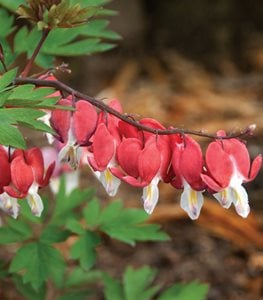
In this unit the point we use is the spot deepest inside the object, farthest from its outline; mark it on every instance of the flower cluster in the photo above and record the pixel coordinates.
(117, 151)
(22, 174)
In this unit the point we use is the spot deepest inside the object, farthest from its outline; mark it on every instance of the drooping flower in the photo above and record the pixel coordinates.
(7, 204)
(74, 129)
(27, 175)
(228, 166)
(50, 154)
(102, 153)
(187, 163)
(144, 160)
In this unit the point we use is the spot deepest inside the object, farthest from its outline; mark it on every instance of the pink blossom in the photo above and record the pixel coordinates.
(228, 166)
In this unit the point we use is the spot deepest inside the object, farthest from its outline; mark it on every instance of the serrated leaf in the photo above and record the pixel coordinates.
(92, 212)
(38, 261)
(136, 284)
(74, 226)
(6, 23)
(7, 78)
(12, 5)
(112, 288)
(76, 295)
(27, 291)
(193, 290)
(80, 277)
(97, 28)
(11, 136)
(84, 249)
(83, 47)
(127, 225)
(54, 234)
(66, 203)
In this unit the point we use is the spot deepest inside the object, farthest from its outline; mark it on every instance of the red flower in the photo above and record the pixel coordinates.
(187, 163)
(102, 153)
(28, 174)
(228, 166)
(74, 129)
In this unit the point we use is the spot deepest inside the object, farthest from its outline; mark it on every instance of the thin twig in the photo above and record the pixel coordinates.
(104, 107)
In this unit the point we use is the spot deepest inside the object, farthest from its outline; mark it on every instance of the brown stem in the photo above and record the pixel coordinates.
(30, 62)
(126, 118)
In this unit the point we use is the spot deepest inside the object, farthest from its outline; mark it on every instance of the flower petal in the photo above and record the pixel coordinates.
(219, 164)
(21, 174)
(103, 147)
(60, 120)
(225, 197)
(9, 205)
(35, 201)
(150, 196)
(84, 121)
(255, 167)
(127, 155)
(109, 182)
(240, 200)
(192, 202)
(149, 161)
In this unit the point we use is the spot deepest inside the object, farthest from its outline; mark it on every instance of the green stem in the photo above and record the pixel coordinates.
(35, 53)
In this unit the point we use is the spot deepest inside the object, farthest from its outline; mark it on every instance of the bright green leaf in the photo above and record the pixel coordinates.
(91, 213)
(7, 78)
(112, 289)
(80, 277)
(54, 234)
(84, 249)
(12, 5)
(193, 290)
(128, 225)
(6, 23)
(74, 226)
(38, 261)
(11, 136)
(136, 284)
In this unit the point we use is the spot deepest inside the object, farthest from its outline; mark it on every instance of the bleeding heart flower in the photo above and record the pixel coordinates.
(27, 175)
(50, 154)
(74, 129)
(187, 163)
(228, 166)
(102, 153)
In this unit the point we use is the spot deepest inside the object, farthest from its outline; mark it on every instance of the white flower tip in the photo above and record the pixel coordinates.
(150, 197)
(243, 211)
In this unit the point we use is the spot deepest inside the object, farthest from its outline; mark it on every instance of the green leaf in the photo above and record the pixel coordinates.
(84, 249)
(74, 226)
(7, 78)
(54, 234)
(12, 5)
(6, 23)
(27, 291)
(76, 295)
(193, 290)
(136, 284)
(112, 289)
(80, 277)
(66, 203)
(127, 225)
(91, 213)
(38, 261)
(11, 136)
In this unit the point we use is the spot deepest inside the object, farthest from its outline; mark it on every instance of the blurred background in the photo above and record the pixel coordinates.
(199, 65)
